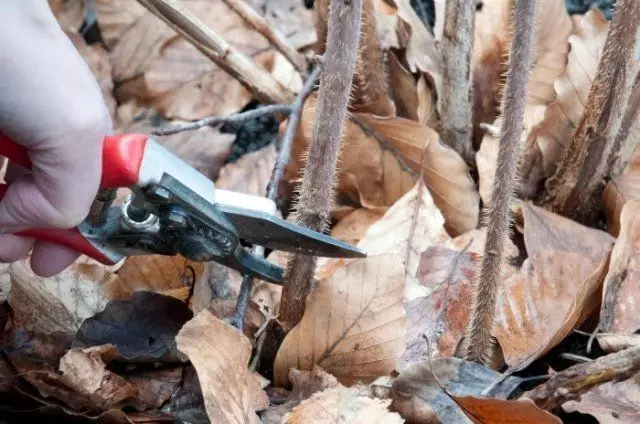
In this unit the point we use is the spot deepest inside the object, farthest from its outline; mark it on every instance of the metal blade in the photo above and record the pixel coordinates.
(248, 264)
(274, 233)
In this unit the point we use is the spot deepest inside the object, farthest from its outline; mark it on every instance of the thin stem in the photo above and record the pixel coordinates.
(233, 119)
(481, 344)
(316, 192)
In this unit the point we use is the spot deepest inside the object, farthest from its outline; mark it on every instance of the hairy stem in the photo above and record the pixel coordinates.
(576, 188)
(262, 85)
(455, 102)
(571, 383)
(481, 346)
(316, 192)
(276, 39)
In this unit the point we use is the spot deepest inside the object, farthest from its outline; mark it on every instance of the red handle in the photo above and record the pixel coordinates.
(122, 157)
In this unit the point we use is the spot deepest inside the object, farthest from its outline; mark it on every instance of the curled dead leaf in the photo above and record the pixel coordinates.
(620, 284)
(557, 288)
(353, 227)
(220, 354)
(250, 174)
(620, 190)
(353, 325)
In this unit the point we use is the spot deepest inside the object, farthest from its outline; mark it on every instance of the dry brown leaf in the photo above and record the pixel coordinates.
(62, 302)
(97, 58)
(353, 325)
(443, 314)
(155, 387)
(403, 87)
(220, 354)
(84, 371)
(620, 190)
(342, 405)
(572, 87)
(353, 227)
(304, 384)
(5, 282)
(380, 162)
(169, 275)
(407, 229)
(206, 149)
(488, 410)
(181, 82)
(115, 16)
(620, 289)
(250, 174)
(558, 285)
(610, 403)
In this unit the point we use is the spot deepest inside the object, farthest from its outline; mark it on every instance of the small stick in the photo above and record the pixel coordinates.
(276, 39)
(479, 345)
(262, 85)
(578, 379)
(316, 192)
(455, 102)
(215, 120)
(237, 319)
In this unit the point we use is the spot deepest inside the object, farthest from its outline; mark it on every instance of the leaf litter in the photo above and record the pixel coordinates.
(147, 340)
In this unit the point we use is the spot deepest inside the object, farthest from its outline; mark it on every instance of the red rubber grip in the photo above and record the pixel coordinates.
(71, 238)
(121, 158)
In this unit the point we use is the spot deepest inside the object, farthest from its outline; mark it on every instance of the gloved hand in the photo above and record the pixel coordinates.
(51, 104)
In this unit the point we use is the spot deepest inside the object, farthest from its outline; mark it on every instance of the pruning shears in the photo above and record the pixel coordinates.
(174, 209)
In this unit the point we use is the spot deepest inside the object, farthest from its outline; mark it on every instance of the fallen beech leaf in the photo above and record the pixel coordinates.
(620, 190)
(407, 229)
(250, 174)
(620, 284)
(97, 58)
(353, 227)
(154, 387)
(403, 87)
(176, 77)
(558, 285)
(115, 16)
(418, 397)
(220, 354)
(616, 342)
(143, 328)
(62, 302)
(169, 275)
(342, 405)
(187, 402)
(610, 403)
(572, 87)
(443, 314)
(84, 371)
(206, 149)
(381, 159)
(487, 410)
(305, 384)
(291, 18)
(353, 326)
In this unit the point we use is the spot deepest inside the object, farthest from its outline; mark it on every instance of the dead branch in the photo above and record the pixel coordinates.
(276, 39)
(215, 120)
(272, 187)
(578, 379)
(481, 344)
(576, 188)
(454, 104)
(262, 85)
(316, 192)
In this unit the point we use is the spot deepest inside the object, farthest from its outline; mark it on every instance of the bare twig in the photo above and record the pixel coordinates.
(576, 188)
(262, 85)
(578, 379)
(480, 345)
(455, 102)
(282, 159)
(316, 192)
(229, 119)
(276, 39)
